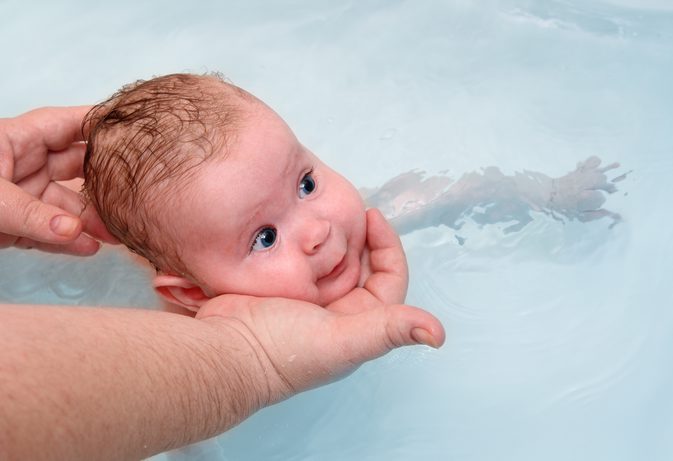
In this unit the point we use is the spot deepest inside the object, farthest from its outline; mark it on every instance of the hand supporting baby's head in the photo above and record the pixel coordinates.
(214, 189)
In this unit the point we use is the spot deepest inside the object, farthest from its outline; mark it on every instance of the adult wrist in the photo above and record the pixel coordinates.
(248, 369)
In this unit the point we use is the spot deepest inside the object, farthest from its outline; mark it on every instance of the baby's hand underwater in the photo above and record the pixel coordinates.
(580, 194)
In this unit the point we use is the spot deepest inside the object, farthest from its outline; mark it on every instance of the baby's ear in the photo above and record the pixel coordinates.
(180, 291)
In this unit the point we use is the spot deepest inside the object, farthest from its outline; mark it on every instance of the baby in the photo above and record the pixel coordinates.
(213, 188)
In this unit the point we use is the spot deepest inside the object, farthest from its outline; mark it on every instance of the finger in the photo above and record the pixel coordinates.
(58, 166)
(82, 246)
(55, 127)
(35, 183)
(592, 215)
(65, 198)
(6, 156)
(91, 221)
(347, 341)
(40, 185)
(621, 177)
(68, 163)
(365, 267)
(388, 264)
(609, 167)
(380, 234)
(94, 226)
(373, 333)
(589, 164)
(385, 246)
(69, 200)
(25, 216)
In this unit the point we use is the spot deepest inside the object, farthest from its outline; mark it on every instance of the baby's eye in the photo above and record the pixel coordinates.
(307, 185)
(264, 239)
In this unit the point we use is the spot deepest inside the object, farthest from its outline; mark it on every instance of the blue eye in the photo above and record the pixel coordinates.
(264, 239)
(307, 185)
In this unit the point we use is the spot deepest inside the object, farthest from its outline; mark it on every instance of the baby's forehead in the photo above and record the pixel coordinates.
(253, 163)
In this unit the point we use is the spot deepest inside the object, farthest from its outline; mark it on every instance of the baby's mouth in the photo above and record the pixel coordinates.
(336, 271)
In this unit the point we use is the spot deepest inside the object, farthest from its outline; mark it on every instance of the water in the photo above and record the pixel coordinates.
(559, 334)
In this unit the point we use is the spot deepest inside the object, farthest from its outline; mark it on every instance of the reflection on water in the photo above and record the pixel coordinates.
(112, 277)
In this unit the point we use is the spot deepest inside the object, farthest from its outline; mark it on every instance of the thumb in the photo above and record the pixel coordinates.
(372, 333)
(23, 215)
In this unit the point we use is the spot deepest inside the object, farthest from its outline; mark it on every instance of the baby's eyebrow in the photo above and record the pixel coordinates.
(257, 210)
(285, 174)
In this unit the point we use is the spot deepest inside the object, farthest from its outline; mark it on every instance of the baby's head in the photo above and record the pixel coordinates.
(213, 188)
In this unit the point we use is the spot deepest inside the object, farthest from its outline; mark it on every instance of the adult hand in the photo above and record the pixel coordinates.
(298, 345)
(37, 149)
(137, 391)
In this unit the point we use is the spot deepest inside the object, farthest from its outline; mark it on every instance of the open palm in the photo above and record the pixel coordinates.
(298, 345)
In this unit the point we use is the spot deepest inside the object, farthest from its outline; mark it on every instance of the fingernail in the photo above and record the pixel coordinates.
(64, 225)
(422, 336)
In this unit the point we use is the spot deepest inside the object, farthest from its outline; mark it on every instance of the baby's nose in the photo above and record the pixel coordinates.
(316, 232)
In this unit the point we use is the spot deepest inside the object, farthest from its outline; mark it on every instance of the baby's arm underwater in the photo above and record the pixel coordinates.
(412, 202)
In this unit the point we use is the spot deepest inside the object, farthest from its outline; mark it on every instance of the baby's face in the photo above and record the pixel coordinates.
(270, 219)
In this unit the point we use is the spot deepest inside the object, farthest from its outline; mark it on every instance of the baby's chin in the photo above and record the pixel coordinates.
(336, 289)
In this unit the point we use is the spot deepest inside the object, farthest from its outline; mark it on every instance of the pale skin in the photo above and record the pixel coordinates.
(267, 219)
(29, 176)
(293, 227)
(73, 389)
(97, 383)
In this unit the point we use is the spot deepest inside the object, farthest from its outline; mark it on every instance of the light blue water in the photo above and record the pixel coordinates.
(559, 335)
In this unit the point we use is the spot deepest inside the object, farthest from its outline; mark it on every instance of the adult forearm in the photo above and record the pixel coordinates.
(82, 383)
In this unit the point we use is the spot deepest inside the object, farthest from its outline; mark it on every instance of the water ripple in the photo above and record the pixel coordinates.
(595, 388)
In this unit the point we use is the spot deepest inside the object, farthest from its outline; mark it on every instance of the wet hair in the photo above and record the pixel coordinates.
(144, 144)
